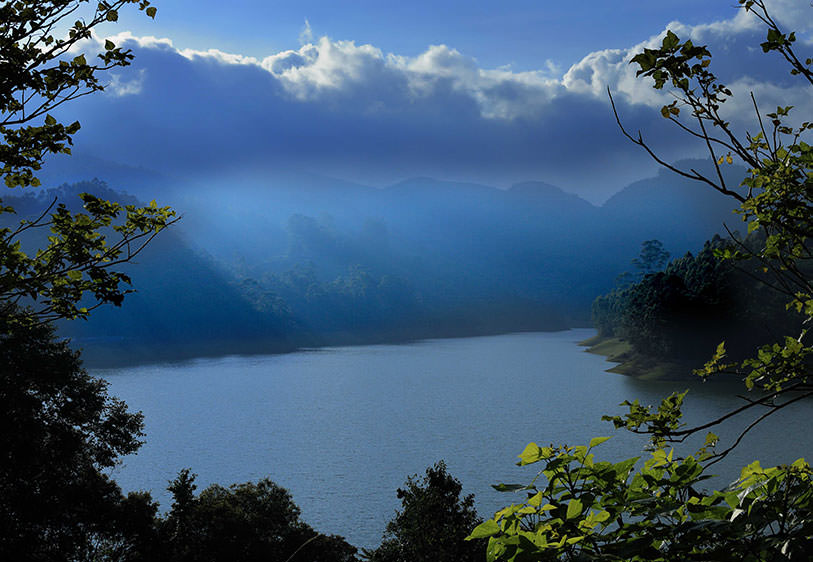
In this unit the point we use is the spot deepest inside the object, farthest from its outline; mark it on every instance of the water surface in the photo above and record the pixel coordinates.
(341, 428)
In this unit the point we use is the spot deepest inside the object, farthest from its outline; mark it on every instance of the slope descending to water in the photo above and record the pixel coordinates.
(303, 260)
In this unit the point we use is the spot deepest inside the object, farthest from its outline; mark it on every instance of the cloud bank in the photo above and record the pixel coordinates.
(351, 110)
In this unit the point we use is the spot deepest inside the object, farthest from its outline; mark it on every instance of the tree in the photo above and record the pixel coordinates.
(578, 508)
(39, 74)
(677, 315)
(59, 431)
(246, 522)
(776, 203)
(433, 523)
(60, 428)
(652, 257)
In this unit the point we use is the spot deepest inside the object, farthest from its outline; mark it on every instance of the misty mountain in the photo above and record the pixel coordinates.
(184, 305)
(266, 264)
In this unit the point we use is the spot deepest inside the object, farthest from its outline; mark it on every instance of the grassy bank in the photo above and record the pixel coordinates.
(634, 364)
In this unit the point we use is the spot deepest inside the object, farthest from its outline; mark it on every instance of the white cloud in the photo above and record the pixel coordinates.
(768, 98)
(492, 88)
(219, 56)
(120, 86)
(326, 66)
(314, 71)
(128, 40)
(736, 58)
(329, 70)
(354, 111)
(146, 42)
(792, 14)
(610, 68)
(306, 35)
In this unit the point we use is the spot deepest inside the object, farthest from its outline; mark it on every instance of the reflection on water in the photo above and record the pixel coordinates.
(341, 428)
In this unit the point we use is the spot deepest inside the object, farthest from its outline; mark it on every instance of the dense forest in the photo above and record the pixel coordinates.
(673, 318)
(61, 432)
(332, 263)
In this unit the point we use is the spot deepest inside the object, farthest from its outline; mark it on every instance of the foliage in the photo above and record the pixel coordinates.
(59, 432)
(246, 522)
(83, 247)
(683, 312)
(41, 71)
(652, 258)
(776, 203)
(433, 523)
(578, 508)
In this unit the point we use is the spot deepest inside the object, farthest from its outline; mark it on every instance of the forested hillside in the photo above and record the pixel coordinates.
(332, 262)
(678, 316)
(183, 304)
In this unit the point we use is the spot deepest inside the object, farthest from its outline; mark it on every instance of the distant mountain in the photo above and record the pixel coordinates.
(673, 208)
(184, 305)
(136, 180)
(299, 259)
(536, 192)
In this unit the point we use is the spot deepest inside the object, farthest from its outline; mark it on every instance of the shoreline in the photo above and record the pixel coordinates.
(632, 364)
(104, 357)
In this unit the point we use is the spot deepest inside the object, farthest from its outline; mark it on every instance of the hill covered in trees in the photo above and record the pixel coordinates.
(664, 323)
(310, 261)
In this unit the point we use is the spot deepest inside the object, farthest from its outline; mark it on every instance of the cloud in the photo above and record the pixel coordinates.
(326, 68)
(354, 111)
(306, 35)
(144, 42)
(737, 59)
(792, 14)
(121, 86)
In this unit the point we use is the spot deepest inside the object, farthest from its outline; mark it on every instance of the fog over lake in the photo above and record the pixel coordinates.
(341, 428)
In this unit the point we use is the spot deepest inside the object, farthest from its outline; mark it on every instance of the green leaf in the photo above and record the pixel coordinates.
(574, 540)
(601, 516)
(509, 487)
(574, 508)
(531, 454)
(596, 441)
(484, 530)
(670, 41)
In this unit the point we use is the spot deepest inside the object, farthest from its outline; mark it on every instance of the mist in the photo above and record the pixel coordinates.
(279, 262)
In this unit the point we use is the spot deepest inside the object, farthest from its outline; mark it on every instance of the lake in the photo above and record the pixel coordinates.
(341, 428)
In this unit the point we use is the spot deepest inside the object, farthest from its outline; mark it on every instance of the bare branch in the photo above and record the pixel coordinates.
(693, 176)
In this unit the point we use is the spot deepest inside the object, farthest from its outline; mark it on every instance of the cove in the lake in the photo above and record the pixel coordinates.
(341, 428)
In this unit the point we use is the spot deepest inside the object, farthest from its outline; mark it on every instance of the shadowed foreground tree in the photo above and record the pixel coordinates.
(246, 522)
(433, 523)
(60, 430)
(58, 433)
(580, 508)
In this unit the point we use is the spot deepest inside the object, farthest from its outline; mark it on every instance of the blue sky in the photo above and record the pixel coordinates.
(523, 33)
(377, 92)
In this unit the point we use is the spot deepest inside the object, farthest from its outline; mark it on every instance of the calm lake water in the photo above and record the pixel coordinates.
(341, 428)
